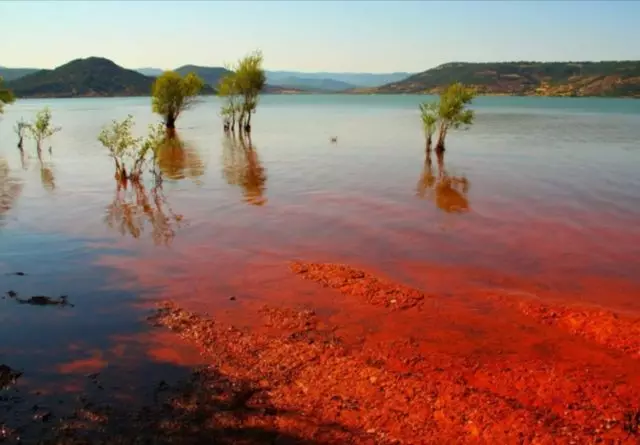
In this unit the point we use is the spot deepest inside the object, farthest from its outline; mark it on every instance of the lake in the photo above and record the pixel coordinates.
(541, 195)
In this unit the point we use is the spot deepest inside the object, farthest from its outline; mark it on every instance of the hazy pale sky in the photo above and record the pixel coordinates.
(356, 36)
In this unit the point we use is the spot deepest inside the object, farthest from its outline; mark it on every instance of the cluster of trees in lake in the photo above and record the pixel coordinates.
(174, 93)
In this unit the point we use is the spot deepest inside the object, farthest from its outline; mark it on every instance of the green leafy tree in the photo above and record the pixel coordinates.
(453, 111)
(250, 79)
(130, 154)
(173, 94)
(429, 115)
(6, 96)
(42, 128)
(228, 88)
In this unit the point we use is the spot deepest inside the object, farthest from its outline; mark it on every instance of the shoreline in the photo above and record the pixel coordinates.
(337, 93)
(540, 373)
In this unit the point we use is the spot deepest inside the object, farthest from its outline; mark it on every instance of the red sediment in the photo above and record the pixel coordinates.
(601, 326)
(393, 393)
(354, 282)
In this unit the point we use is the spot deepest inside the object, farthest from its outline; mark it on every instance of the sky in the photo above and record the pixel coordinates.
(337, 36)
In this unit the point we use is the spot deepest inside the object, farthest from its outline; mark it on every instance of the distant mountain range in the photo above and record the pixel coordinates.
(612, 79)
(352, 79)
(97, 76)
(312, 82)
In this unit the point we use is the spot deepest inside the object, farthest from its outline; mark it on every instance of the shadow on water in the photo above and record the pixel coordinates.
(206, 407)
(133, 208)
(448, 192)
(241, 167)
(10, 189)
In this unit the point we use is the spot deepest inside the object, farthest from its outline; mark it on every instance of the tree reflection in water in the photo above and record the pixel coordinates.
(177, 160)
(10, 189)
(133, 208)
(46, 174)
(448, 192)
(241, 166)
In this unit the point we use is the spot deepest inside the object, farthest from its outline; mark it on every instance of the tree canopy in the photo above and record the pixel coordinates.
(173, 94)
(129, 153)
(245, 82)
(429, 115)
(42, 128)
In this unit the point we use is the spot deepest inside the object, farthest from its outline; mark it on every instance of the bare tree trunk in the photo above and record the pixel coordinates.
(440, 156)
(428, 147)
(247, 126)
(170, 121)
(441, 137)
(20, 142)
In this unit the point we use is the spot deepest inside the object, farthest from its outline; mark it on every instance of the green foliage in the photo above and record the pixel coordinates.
(6, 96)
(172, 94)
(450, 111)
(42, 128)
(452, 108)
(93, 76)
(130, 153)
(429, 115)
(228, 89)
(211, 76)
(247, 81)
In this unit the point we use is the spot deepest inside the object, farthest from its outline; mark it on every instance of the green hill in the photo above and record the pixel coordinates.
(612, 79)
(90, 77)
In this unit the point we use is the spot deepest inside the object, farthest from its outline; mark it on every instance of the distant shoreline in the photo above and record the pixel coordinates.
(337, 93)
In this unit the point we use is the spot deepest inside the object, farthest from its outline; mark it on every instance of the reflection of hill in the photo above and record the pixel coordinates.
(242, 167)
(133, 208)
(177, 160)
(10, 189)
(448, 192)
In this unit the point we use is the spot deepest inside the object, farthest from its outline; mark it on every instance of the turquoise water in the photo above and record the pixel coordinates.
(545, 188)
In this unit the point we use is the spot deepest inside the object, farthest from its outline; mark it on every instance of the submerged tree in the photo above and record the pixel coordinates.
(429, 114)
(20, 129)
(42, 128)
(173, 94)
(129, 153)
(245, 83)
(228, 88)
(453, 111)
(6, 96)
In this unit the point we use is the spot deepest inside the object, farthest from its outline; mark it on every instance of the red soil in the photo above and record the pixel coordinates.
(358, 283)
(338, 386)
(598, 325)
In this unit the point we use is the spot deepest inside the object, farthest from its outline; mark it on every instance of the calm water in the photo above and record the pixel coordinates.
(543, 189)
